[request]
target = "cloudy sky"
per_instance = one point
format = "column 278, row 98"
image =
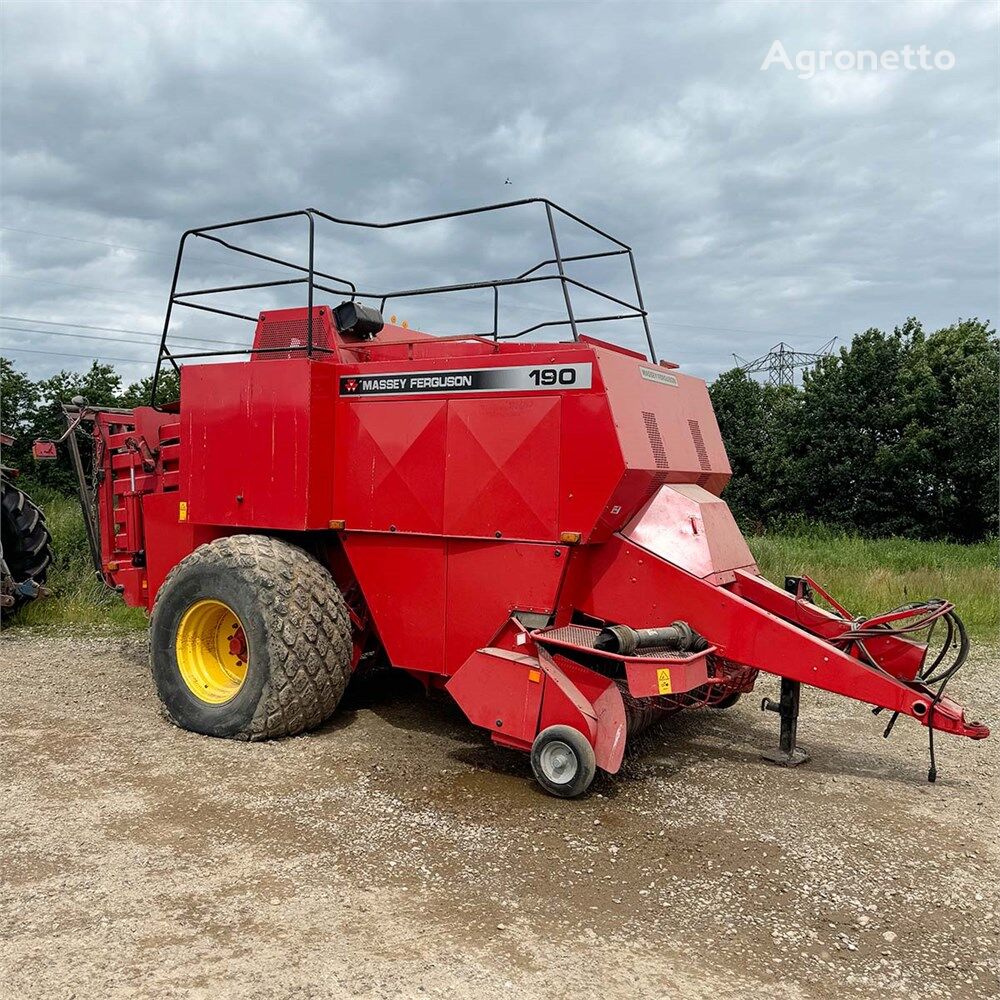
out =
column 762, row 205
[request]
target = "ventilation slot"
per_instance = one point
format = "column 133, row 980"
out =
column 655, row 441
column 701, row 450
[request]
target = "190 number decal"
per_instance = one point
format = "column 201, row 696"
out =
column 553, row 376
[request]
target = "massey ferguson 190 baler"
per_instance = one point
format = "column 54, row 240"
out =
column 534, row 527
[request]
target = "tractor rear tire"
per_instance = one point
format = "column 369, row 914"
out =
column 250, row 639
column 563, row 762
column 26, row 542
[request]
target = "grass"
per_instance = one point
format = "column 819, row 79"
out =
column 871, row 575
column 865, row 575
column 78, row 598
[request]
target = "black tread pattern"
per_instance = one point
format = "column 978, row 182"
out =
column 27, row 544
column 308, row 630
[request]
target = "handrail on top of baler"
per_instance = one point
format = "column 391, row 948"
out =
column 309, row 273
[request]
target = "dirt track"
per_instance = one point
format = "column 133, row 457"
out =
column 396, row 852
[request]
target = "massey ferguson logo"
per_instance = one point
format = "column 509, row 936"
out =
column 521, row 377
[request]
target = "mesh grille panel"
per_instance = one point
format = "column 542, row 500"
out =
column 577, row 635
column 655, row 440
column 699, row 445
column 290, row 333
column 701, row 451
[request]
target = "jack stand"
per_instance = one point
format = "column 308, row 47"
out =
column 787, row 754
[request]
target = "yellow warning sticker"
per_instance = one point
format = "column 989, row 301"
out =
column 663, row 681
column 182, row 511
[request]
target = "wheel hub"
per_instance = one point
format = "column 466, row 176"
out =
column 212, row 651
column 558, row 762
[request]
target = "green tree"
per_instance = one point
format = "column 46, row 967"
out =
column 950, row 430
column 19, row 398
column 752, row 418
column 896, row 434
column 100, row 385
column 138, row 393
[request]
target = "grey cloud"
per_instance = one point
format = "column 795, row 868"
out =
column 757, row 202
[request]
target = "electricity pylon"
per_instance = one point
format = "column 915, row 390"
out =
column 782, row 362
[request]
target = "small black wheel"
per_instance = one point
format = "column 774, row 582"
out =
column 562, row 760
column 728, row 701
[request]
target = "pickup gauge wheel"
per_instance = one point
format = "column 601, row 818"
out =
column 562, row 760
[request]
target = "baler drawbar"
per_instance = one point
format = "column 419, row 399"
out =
column 534, row 527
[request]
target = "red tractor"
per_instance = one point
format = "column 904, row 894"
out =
column 534, row 527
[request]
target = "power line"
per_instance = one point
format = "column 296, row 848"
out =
column 115, row 329
column 83, row 288
column 77, row 239
column 67, row 354
column 104, row 340
column 81, row 326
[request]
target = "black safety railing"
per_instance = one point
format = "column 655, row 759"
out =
column 314, row 280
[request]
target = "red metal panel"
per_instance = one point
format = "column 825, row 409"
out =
column 391, row 464
column 587, row 701
column 564, row 704
column 502, row 456
column 213, row 455
column 257, row 443
column 487, row 580
column 694, row 530
column 665, row 422
column 168, row 540
column 609, row 747
column 402, row 578
column 500, row 691
column 649, row 678
column 590, row 468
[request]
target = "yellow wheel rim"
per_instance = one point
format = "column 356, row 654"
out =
column 212, row 652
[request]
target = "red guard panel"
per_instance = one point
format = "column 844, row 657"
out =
column 289, row 328
column 169, row 539
column 665, row 422
column 257, row 443
column 391, row 464
column 403, row 580
column 489, row 579
column 693, row 529
column 502, row 457
column 501, row 691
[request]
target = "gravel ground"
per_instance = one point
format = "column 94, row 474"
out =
column 396, row 852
